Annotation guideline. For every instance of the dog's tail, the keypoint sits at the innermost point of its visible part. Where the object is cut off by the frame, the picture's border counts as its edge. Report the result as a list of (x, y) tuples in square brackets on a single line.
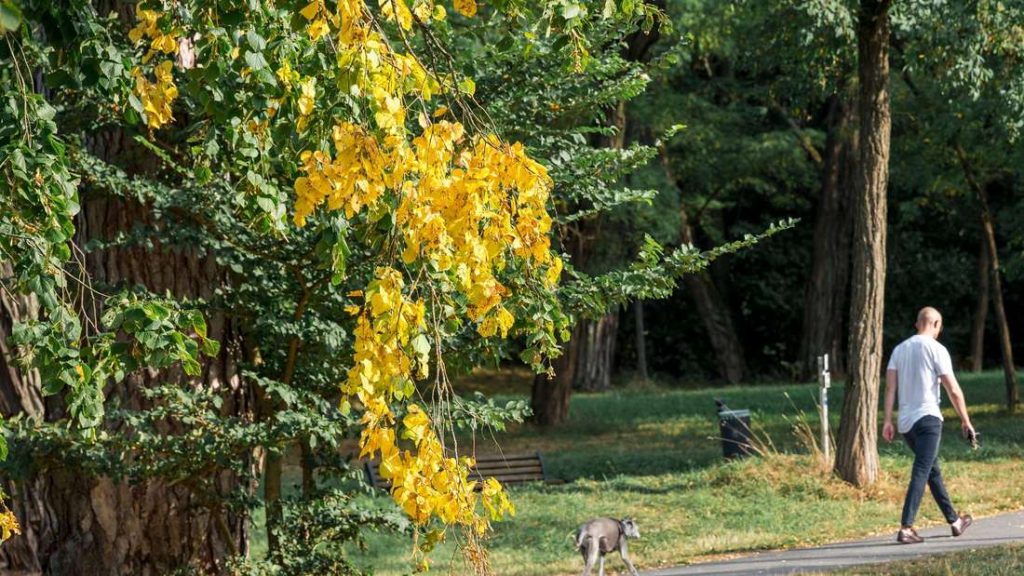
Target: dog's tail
[(581, 538)]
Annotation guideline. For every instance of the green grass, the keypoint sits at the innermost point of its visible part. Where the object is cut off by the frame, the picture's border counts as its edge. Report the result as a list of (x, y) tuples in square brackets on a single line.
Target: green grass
[(994, 561), (652, 454)]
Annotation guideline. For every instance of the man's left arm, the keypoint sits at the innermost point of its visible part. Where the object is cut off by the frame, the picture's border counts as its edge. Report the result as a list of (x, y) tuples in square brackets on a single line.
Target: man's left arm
[(955, 392), (956, 396)]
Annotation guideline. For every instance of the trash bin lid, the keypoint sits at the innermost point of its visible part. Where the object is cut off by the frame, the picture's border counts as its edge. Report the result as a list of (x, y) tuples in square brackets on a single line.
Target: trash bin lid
[(734, 414)]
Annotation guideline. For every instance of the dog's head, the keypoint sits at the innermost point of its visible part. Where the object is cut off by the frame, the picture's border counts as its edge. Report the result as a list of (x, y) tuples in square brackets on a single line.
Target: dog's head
[(629, 528)]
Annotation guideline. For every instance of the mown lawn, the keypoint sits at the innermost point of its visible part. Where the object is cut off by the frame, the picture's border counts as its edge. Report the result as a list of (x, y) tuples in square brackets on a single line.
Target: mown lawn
[(653, 454)]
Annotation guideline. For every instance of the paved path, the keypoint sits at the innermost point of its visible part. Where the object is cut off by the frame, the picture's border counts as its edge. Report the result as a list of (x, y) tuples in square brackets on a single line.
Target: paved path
[(993, 531)]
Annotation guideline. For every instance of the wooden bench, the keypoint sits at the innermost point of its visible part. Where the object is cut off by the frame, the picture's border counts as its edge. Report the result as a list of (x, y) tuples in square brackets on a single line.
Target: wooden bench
[(506, 468)]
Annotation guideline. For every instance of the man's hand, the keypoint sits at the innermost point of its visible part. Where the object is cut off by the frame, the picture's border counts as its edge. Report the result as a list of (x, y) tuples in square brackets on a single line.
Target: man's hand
[(967, 430), (888, 431)]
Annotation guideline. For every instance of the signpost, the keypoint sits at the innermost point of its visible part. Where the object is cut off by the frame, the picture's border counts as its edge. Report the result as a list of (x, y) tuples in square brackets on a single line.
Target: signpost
[(824, 381)]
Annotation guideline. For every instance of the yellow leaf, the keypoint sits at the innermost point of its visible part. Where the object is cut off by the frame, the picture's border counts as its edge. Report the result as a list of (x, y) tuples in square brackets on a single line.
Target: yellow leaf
[(8, 525), (465, 7), (306, 100), (416, 423), (311, 10), (318, 29)]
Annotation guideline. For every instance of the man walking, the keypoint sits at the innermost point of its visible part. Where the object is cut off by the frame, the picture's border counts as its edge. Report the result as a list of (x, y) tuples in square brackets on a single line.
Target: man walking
[(916, 368)]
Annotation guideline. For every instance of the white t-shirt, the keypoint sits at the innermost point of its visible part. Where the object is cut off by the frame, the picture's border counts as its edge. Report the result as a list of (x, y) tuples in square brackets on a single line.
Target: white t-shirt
[(918, 362)]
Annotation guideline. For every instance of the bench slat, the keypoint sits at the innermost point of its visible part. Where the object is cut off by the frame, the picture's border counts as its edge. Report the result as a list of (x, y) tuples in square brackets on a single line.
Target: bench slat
[(506, 468), (508, 465), (506, 457)]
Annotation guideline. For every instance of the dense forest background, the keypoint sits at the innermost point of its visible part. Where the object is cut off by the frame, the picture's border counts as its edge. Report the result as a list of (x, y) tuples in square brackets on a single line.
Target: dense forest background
[(755, 144)]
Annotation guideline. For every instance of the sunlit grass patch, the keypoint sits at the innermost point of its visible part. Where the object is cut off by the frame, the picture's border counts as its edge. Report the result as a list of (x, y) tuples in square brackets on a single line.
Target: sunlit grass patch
[(653, 454)]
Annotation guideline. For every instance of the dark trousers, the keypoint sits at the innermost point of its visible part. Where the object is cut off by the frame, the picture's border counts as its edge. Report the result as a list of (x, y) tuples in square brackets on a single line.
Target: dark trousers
[(923, 438)]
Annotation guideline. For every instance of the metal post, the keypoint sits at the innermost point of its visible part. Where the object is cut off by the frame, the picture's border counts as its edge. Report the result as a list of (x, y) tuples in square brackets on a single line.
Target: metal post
[(824, 381)]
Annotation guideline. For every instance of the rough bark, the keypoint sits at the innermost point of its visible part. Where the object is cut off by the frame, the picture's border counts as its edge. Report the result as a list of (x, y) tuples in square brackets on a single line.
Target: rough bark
[(989, 236), (74, 523), (595, 353), (595, 341), (549, 398), (980, 311), (641, 341), (856, 449), (827, 285)]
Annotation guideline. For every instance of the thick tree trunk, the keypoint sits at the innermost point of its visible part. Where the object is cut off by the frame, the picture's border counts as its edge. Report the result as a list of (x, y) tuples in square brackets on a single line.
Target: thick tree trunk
[(595, 340), (641, 341), (595, 353), (988, 230), (826, 290), (77, 524), (980, 311), (549, 399), (856, 449)]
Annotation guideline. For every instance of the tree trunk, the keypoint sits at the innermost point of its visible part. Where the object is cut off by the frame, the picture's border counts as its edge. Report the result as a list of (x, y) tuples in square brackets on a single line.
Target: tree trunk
[(856, 449), (550, 396), (714, 314), (549, 399), (595, 340), (826, 290), (981, 311), (641, 341), (595, 353), (77, 524), (711, 308), (989, 235)]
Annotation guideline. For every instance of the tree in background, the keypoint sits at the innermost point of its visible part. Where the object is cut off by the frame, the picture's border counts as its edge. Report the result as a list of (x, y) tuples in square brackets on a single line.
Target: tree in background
[(734, 162), (963, 75), (600, 208)]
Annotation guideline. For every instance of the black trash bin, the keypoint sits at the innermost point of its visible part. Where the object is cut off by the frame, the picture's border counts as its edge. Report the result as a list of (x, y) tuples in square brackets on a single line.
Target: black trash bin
[(734, 428)]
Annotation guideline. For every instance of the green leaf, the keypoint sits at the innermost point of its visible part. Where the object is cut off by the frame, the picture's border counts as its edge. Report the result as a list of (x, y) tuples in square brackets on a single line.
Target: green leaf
[(255, 40), (203, 175), (609, 9), (421, 345), (210, 347), (255, 60), (52, 386), (10, 17)]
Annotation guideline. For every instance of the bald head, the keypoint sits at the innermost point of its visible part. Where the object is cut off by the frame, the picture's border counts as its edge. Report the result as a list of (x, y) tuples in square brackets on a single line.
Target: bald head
[(929, 322)]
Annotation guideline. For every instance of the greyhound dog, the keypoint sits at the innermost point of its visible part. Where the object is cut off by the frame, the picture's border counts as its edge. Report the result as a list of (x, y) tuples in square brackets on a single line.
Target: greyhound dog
[(600, 536)]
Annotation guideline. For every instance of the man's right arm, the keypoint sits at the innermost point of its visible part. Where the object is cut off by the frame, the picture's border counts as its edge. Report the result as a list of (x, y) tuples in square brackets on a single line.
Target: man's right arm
[(891, 381)]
